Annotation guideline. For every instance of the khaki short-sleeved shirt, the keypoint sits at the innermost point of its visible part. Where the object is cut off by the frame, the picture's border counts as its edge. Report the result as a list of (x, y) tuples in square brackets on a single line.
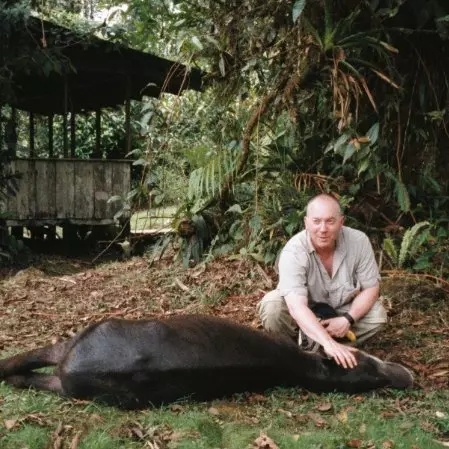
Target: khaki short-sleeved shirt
[(354, 268)]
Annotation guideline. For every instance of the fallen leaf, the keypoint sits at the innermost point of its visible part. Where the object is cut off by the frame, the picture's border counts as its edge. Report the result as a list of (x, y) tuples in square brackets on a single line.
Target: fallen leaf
[(342, 416), (213, 411), (176, 408), (324, 407), (354, 443), (137, 432), (317, 419), (181, 285), (285, 412), (428, 427), (256, 397), (10, 423), (440, 414), (75, 441), (264, 442), (387, 444), (362, 428), (418, 323), (57, 444)]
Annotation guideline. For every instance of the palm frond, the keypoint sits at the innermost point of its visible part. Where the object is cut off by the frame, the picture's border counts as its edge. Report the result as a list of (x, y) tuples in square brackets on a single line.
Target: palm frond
[(207, 180)]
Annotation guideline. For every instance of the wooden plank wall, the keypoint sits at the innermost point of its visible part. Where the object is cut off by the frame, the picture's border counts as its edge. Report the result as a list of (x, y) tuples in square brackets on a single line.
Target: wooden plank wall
[(68, 190)]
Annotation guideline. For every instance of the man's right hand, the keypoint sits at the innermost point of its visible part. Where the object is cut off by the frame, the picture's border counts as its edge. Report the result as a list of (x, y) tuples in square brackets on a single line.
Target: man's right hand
[(342, 355)]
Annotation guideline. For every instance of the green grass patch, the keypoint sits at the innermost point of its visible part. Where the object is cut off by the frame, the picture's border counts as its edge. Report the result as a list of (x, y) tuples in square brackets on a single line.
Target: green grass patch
[(292, 418)]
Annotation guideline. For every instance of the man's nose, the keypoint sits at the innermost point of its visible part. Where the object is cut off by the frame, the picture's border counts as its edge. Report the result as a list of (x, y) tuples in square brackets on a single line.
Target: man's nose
[(323, 226)]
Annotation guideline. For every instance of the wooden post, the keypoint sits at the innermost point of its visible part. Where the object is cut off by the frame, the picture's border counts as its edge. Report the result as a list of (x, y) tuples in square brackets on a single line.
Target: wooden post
[(32, 134), (97, 153), (128, 117), (2, 134), (11, 134), (64, 120), (72, 133), (50, 135)]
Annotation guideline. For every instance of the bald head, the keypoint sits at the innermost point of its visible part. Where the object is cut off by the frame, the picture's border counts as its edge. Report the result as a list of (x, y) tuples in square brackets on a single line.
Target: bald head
[(323, 200), (323, 222)]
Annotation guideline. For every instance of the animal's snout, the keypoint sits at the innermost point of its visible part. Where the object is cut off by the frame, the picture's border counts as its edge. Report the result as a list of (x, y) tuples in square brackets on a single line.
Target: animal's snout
[(399, 375)]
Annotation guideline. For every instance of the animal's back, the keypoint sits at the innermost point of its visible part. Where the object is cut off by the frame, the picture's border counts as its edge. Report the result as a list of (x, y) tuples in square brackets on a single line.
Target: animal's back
[(160, 361)]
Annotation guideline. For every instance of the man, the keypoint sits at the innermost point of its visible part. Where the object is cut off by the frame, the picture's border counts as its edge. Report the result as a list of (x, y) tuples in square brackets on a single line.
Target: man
[(331, 263)]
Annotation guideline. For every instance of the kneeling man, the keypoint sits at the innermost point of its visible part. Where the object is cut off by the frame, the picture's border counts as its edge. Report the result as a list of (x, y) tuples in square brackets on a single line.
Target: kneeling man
[(326, 263)]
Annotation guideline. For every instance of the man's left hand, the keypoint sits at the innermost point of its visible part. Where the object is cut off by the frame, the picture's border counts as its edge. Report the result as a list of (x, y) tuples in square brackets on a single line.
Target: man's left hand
[(336, 327)]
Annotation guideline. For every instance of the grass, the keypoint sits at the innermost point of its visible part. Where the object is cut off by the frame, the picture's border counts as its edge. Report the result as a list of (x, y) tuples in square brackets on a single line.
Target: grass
[(48, 302), (292, 418)]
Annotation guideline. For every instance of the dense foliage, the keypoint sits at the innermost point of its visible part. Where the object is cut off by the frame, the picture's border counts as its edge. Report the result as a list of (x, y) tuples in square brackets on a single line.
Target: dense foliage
[(301, 96)]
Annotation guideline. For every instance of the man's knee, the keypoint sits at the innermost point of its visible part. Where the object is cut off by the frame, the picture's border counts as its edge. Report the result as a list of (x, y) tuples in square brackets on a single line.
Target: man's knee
[(274, 314), (270, 307)]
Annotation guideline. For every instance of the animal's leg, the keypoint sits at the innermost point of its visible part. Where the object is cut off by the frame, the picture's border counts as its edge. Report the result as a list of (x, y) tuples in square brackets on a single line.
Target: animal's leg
[(37, 358), (40, 381)]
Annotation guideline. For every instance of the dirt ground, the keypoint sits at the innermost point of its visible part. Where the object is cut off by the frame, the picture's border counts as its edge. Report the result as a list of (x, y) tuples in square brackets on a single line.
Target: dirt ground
[(57, 296)]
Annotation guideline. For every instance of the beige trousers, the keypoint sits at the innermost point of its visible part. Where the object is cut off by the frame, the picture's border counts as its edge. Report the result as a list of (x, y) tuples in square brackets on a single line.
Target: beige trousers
[(275, 317)]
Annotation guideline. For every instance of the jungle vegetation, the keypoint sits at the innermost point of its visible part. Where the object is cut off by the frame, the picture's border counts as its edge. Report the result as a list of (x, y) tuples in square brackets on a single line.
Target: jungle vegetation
[(300, 96)]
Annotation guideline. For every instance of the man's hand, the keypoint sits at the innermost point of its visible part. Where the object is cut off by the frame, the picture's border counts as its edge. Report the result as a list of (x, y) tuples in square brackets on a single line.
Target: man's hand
[(342, 355), (336, 327)]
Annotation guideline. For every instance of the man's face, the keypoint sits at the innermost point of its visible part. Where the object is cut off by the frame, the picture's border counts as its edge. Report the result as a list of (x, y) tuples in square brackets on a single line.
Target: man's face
[(323, 223)]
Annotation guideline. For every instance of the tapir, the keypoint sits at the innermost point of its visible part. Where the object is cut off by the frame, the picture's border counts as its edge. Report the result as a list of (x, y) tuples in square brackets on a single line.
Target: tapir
[(138, 363)]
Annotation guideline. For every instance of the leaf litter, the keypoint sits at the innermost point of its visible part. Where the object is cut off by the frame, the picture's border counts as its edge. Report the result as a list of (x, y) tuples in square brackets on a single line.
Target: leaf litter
[(60, 296)]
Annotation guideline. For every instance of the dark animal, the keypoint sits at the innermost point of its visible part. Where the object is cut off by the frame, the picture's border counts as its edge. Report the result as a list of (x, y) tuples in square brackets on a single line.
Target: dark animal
[(324, 311), (134, 364)]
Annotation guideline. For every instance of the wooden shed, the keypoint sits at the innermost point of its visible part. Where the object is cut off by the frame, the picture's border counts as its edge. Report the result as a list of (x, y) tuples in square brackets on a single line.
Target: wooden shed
[(90, 74), (58, 191)]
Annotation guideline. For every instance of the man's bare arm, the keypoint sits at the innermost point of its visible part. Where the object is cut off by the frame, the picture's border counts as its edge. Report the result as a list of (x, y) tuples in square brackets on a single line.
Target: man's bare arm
[(361, 305), (363, 302), (307, 321)]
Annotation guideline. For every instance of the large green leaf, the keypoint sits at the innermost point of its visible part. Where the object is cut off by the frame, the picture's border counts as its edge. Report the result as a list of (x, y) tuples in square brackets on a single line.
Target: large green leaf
[(298, 8), (402, 196), (373, 133)]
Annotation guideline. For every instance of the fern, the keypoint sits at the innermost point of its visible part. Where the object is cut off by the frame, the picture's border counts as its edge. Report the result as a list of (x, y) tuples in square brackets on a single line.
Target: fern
[(411, 242), (208, 180), (402, 196), (390, 250)]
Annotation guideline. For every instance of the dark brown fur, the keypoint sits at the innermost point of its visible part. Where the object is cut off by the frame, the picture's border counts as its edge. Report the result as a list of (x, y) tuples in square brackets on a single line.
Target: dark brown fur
[(133, 364)]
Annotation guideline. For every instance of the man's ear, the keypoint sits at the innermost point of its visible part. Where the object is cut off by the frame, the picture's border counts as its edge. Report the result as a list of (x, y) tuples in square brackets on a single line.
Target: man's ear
[(342, 220)]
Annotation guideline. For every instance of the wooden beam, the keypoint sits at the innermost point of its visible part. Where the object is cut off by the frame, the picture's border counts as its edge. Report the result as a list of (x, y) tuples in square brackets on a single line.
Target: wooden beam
[(72, 133), (32, 135), (11, 133), (128, 117), (2, 133), (64, 119), (97, 152), (50, 135)]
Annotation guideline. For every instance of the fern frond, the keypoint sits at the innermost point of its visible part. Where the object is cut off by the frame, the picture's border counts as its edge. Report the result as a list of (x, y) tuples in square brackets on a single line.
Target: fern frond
[(409, 244), (390, 250), (208, 180), (402, 196)]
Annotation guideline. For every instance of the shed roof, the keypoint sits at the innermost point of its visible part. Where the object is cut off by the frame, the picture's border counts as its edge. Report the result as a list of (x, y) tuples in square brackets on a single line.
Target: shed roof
[(97, 73)]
